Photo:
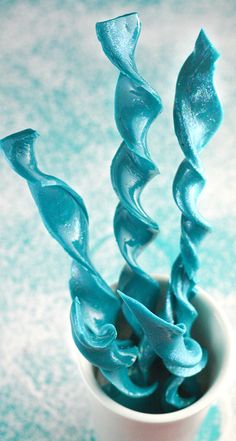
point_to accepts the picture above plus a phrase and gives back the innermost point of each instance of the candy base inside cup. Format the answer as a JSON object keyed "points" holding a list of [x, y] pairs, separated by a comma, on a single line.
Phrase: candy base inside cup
{"points": [[207, 331], [113, 420]]}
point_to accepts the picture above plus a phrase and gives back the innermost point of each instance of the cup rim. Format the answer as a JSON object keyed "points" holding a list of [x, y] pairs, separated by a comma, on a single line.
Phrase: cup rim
{"points": [[210, 396]]}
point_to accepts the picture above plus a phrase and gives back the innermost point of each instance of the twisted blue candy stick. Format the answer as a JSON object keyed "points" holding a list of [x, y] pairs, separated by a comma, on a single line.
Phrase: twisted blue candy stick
{"points": [[197, 116], [95, 307], [136, 106]]}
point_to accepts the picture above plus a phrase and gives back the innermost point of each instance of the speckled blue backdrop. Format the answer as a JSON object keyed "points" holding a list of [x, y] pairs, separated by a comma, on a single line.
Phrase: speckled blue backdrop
{"points": [[55, 79]]}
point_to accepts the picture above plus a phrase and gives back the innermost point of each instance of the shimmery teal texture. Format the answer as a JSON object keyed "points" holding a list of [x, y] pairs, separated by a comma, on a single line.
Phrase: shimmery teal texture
{"points": [[55, 78]]}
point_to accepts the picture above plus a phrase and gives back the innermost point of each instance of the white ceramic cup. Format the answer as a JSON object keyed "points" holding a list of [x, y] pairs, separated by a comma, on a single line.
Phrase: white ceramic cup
{"points": [[114, 422]]}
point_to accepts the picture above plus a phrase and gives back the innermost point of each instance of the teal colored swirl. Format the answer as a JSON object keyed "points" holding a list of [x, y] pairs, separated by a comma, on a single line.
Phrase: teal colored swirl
{"points": [[197, 116], [94, 308], [136, 106], [161, 349]]}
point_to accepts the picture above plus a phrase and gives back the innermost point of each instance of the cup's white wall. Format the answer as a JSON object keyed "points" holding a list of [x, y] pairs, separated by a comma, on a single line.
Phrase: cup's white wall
{"points": [[112, 427]]}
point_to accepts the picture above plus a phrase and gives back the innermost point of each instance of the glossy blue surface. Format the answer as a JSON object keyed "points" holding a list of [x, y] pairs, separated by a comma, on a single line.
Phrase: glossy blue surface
{"points": [[136, 107], [54, 78], [197, 114], [94, 309], [165, 332]]}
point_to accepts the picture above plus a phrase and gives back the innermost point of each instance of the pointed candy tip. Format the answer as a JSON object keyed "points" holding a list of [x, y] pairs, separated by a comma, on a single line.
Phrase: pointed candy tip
{"points": [[27, 133], [116, 19], [131, 303], [203, 43], [123, 296], [127, 18]]}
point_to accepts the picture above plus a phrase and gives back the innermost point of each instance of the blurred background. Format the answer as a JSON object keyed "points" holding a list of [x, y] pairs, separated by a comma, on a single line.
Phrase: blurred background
{"points": [[56, 79]]}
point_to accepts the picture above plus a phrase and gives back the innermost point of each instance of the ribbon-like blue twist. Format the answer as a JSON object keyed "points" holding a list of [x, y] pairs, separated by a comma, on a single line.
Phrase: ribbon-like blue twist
{"points": [[95, 308], [136, 106], [197, 116]]}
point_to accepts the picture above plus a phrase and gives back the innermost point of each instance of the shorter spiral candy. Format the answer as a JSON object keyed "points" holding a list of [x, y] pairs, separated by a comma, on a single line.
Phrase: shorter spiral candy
{"points": [[94, 308]]}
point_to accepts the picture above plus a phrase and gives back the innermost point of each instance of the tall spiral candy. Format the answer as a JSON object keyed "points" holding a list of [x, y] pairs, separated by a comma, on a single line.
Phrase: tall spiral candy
{"points": [[197, 116], [136, 106], [95, 307]]}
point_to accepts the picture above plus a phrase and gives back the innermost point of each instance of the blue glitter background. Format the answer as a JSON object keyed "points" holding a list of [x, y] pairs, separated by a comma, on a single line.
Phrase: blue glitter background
{"points": [[55, 79]]}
